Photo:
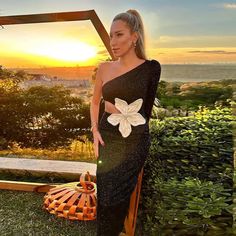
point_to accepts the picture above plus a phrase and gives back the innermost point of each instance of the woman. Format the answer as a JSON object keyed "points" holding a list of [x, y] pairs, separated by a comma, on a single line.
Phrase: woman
{"points": [[121, 137]]}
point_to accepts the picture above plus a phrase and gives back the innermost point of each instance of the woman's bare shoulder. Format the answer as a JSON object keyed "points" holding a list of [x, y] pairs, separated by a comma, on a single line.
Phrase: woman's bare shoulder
{"points": [[103, 69], [104, 66]]}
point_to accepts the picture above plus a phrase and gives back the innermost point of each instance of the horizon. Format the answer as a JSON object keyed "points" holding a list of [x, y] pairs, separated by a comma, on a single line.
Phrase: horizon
{"points": [[165, 64]]}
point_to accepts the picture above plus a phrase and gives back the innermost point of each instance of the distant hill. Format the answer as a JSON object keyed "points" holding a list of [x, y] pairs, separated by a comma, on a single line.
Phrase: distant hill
{"points": [[67, 73]]}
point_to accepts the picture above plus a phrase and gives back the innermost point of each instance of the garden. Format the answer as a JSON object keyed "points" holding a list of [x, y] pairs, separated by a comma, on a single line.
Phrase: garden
{"points": [[188, 182]]}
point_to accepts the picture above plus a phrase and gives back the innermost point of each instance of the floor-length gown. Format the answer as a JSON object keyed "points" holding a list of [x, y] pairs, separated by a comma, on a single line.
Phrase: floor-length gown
{"points": [[127, 142]]}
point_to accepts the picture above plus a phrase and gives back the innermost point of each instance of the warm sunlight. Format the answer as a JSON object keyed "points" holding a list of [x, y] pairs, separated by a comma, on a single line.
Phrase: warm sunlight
{"points": [[68, 51]]}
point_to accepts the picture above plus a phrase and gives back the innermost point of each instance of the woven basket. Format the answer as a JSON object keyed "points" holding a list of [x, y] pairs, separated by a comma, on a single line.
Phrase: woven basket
{"points": [[75, 201]]}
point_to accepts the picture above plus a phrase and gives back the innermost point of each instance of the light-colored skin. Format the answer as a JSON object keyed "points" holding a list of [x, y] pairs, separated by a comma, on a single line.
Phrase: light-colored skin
{"points": [[122, 43]]}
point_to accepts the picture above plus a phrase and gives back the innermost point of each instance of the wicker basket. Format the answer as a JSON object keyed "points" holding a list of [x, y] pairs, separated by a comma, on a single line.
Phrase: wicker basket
{"points": [[75, 201]]}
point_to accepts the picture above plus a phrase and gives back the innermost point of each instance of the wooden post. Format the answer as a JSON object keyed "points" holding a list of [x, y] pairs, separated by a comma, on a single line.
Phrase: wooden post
{"points": [[130, 220]]}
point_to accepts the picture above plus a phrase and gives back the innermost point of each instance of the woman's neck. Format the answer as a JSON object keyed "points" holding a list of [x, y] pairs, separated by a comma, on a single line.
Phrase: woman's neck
{"points": [[129, 60]]}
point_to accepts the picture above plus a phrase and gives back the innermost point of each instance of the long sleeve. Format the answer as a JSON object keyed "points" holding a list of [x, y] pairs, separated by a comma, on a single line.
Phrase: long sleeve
{"points": [[152, 88]]}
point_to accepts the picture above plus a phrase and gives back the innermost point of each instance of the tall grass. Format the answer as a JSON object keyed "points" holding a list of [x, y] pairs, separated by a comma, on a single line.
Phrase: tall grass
{"points": [[77, 151]]}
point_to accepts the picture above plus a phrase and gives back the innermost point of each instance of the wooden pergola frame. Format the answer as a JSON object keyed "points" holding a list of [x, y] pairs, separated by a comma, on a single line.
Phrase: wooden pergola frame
{"points": [[130, 221], [60, 17]]}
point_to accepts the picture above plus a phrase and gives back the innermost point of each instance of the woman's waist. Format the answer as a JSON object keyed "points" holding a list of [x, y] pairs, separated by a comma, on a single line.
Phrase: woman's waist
{"points": [[104, 124]]}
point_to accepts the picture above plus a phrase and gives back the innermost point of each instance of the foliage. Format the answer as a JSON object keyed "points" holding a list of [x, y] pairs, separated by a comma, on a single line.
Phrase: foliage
{"points": [[39, 117], [190, 201], [78, 150], [194, 94], [42, 117], [189, 171], [188, 146], [9, 80]]}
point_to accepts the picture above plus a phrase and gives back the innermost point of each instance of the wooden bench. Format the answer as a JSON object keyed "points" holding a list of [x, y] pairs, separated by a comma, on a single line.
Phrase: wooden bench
{"points": [[36, 167]]}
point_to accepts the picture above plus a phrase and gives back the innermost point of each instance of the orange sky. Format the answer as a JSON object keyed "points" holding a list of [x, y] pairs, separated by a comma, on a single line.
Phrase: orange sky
{"points": [[171, 40], [49, 47]]}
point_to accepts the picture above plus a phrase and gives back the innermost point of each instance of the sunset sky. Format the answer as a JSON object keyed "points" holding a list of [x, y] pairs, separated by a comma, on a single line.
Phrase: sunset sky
{"points": [[178, 31]]}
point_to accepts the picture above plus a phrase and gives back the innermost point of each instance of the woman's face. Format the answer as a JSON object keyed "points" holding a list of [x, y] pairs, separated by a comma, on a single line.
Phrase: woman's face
{"points": [[121, 38]]}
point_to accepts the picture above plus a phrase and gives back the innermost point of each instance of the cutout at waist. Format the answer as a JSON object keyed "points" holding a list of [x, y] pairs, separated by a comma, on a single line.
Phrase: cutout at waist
{"points": [[110, 108]]}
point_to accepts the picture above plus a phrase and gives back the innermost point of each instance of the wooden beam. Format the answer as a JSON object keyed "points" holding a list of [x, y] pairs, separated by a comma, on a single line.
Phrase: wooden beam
{"points": [[64, 169], [45, 17], [102, 33], [26, 186], [131, 218], [60, 17]]}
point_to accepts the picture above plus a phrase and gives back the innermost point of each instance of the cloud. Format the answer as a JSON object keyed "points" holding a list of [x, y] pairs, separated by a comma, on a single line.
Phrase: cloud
{"points": [[229, 5], [213, 52], [199, 41], [225, 5], [168, 39]]}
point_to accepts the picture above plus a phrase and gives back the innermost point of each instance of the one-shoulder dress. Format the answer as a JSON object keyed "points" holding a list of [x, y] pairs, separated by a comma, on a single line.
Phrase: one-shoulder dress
{"points": [[127, 141]]}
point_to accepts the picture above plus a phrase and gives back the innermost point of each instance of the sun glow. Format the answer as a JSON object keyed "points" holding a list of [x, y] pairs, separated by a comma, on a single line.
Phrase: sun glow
{"points": [[68, 51]]}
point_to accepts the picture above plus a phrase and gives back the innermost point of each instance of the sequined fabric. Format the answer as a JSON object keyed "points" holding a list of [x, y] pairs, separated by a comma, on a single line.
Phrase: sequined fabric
{"points": [[123, 156], [119, 164]]}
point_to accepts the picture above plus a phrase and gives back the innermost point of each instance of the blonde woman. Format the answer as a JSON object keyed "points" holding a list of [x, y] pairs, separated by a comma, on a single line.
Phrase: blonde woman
{"points": [[121, 137]]}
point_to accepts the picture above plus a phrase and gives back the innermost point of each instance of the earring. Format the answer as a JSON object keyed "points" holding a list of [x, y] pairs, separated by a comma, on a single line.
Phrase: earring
{"points": [[134, 43]]}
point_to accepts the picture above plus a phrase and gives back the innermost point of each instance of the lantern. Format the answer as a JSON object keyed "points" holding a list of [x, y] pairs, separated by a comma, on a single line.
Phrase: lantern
{"points": [[75, 201]]}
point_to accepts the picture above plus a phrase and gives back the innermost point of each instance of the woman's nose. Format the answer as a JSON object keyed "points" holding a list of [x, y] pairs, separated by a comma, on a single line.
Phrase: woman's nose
{"points": [[112, 42]]}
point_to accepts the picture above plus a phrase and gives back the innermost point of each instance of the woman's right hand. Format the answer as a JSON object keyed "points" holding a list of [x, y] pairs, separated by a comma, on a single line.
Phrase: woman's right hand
{"points": [[96, 139]]}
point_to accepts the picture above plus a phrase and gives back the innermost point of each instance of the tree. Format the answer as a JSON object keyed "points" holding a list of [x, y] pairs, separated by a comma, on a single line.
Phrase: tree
{"points": [[53, 117]]}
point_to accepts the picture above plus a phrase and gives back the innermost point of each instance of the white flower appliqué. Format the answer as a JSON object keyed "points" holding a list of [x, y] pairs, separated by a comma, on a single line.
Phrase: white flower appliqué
{"points": [[129, 115]]}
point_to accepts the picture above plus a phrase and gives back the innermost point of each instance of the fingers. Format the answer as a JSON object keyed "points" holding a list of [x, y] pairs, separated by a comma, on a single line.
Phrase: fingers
{"points": [[97, 139], [100, 139]]}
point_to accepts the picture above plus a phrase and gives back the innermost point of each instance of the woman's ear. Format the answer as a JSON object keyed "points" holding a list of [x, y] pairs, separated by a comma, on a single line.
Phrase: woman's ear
{"points": [[135, 37]]}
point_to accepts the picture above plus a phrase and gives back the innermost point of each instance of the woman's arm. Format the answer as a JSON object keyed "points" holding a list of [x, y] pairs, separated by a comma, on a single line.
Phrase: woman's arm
{"points": [[152, 88], [94, 111], [95, 101]]}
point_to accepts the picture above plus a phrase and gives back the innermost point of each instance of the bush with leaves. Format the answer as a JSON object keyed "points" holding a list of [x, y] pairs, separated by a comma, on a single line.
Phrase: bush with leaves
{"points": [[188, 177], [42, 117], [191, 202]]}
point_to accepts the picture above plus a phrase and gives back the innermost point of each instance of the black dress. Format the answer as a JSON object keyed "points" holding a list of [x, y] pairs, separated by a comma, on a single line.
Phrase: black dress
{"points": [[127, 142]]}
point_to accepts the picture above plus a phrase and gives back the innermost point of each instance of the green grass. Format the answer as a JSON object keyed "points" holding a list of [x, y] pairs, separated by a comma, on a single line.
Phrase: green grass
{"points": [[21, 213]]}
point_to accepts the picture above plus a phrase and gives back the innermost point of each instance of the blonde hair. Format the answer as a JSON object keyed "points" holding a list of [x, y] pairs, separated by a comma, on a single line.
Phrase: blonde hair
{"points": [[135, 23]]}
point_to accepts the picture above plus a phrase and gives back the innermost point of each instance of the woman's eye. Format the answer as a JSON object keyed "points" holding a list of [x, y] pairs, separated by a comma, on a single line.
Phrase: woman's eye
{"points": [[117, 35]]}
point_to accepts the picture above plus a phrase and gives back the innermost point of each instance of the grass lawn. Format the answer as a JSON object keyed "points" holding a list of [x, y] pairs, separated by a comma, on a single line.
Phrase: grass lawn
{"points": [[21, 213]]}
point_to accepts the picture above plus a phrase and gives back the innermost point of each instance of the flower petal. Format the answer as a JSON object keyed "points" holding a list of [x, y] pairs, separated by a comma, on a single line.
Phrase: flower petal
{"points": [[115, 118], [136, 119], [125, 128], [121, 105], [135, 106]]}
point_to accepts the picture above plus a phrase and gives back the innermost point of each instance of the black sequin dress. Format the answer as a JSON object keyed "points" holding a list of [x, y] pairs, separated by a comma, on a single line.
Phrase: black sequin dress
{"points": [[127, 141]]}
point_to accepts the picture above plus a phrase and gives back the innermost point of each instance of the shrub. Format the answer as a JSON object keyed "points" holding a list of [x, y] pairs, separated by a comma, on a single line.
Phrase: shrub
{"points": [[189, 201], [188, 175]]}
